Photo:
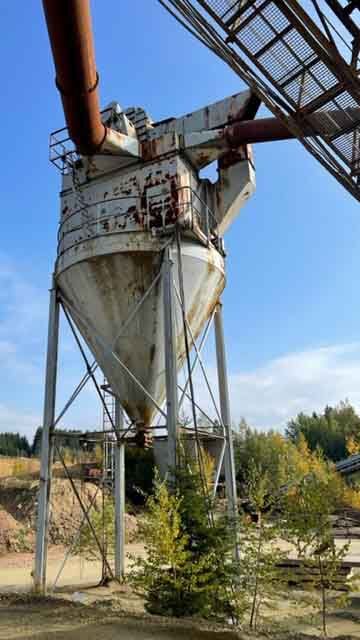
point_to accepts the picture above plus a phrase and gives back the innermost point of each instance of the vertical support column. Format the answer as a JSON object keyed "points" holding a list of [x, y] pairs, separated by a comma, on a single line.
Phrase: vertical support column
{"points": [[42, 528], [119, 482], [230, 475], [170, 361]]}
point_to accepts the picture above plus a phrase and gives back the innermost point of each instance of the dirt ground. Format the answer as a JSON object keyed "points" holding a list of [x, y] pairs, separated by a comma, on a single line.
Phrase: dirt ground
{"points": [[29, 618], [80, 609], [16, 569], [60, 619]]}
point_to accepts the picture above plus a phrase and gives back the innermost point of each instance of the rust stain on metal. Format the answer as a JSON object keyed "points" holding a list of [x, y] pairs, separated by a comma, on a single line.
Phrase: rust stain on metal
{"points": [[233, 157], [152, 353], [109, 261], [203, 158]]}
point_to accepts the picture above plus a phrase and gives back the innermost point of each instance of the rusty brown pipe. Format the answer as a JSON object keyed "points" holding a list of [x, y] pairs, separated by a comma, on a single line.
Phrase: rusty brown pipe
{"points": [[324, 123], [253, 131], [71, 39]]}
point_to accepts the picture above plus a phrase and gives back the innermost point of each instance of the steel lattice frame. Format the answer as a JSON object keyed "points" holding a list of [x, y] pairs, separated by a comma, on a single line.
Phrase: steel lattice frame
{"points": [[303, 67], [113, 425]]}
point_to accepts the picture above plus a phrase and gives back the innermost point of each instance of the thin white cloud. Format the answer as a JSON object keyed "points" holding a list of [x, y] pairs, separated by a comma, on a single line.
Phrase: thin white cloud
{"points": [[302, 381], [22, 325], [16, 365]]}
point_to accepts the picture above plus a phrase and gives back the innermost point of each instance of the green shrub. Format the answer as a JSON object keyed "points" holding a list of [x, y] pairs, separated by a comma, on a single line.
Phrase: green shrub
{"points": [[188, 569], [102, 521], [307, 526]]}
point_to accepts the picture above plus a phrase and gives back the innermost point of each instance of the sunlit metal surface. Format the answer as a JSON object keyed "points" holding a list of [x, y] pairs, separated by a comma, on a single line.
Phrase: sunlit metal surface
{"points": [[118, 216]]}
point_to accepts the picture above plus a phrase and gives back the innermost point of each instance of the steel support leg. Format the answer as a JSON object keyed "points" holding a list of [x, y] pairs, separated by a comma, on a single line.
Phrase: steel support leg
{"points": [[119, 481], [47, 445], [170, 362], [229, 462]]}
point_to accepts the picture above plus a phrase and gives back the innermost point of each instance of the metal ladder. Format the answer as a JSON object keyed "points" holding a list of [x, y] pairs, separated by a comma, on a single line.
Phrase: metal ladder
{"points": [[109, 437]]}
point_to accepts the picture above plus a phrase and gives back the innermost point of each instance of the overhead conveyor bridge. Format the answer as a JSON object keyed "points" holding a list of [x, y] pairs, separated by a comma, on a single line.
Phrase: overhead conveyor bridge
{"points": [[301, 60]]}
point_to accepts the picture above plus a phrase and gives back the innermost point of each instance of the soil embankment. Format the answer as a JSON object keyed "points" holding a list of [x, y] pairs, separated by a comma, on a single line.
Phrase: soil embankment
{"points": [[18, 511]]}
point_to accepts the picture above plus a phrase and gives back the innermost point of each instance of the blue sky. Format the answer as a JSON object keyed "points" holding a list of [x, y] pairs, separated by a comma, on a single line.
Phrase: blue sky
{"points": [[291, 303]]}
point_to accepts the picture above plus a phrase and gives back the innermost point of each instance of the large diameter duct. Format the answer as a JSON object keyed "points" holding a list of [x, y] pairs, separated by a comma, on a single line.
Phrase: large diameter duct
{"points": [[253, 131], [323, 123], [71, 39]]}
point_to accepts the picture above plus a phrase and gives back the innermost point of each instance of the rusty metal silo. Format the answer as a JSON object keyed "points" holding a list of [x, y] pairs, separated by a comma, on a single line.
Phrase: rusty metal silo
{"points": [[119, 213], [140, 262]]}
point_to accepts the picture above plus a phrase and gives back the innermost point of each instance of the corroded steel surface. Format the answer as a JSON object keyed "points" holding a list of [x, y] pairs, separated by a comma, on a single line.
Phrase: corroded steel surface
{"points": [[149, 198], [117, 216]]}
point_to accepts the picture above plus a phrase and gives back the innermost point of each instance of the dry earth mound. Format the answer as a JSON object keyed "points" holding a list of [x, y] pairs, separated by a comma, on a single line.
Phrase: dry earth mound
{"points": [[18, 498], [9, 532]]}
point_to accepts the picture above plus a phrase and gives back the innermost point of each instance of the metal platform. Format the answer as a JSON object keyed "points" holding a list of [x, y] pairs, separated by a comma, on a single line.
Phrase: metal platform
{"points": [[301, 59]]}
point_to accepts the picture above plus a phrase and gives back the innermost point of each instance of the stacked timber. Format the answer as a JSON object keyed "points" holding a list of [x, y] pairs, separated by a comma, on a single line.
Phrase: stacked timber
{"points": [[306, 574]]}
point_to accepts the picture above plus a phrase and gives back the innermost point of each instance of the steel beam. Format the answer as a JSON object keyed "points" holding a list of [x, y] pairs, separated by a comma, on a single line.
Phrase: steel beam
{"points": [[76, 537], [230, 475], [72, 309], [101, 548], [119, 452], [170, 361], [42, 529]]}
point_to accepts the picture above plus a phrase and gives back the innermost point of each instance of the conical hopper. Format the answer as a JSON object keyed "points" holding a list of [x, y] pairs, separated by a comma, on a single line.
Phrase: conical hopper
{"points": [[104, 291]]}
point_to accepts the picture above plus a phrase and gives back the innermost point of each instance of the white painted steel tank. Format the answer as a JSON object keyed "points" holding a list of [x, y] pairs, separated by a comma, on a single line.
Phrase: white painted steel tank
{"points": [[117, 216]]}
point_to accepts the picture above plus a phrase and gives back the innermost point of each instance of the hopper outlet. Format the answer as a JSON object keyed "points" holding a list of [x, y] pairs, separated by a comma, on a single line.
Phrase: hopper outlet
{"points": [[116, 301]]}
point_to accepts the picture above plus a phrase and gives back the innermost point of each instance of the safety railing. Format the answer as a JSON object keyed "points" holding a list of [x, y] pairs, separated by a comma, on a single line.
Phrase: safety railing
{"points": [[186, 209], [62, 152]]}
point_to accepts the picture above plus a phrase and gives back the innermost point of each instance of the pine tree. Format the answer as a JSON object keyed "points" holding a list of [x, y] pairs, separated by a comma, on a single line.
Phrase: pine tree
{"points": [[188, 569]]}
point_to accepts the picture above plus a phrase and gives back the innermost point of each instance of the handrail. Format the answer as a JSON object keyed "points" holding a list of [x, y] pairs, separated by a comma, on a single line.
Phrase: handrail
{"points": [[200, 214]]}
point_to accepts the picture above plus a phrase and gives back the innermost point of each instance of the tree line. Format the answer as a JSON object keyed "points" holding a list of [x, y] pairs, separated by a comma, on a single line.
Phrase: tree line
{"points": [[15, 445], [335, 431]]}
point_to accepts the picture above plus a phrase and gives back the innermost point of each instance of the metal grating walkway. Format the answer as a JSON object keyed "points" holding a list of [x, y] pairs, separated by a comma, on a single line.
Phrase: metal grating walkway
{"points": [[297, 64]]}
